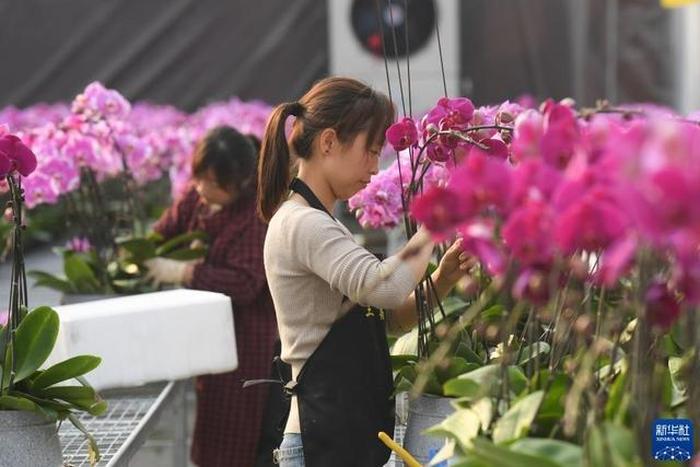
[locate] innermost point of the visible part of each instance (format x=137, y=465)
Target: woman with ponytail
x=333, y=299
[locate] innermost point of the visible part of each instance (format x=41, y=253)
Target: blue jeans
x=290, y=452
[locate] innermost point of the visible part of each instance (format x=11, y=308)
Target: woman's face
x=349, y=167
x=210, y=191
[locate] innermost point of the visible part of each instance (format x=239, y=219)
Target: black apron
x=344, y=390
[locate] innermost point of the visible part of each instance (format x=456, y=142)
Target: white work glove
x=164, y=270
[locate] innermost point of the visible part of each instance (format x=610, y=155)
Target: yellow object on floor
x=677, y=3
x=405, y=456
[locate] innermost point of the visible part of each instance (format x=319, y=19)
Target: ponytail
x=274, y=163
x=346, y=105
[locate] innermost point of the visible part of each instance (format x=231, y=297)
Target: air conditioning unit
x=356, y=46
x=686, y=34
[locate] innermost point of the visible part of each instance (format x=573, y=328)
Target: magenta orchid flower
x=478, y=238
x=560, y=137
x=403, y=134
x=15, y=156
x=441, y=210
x=532, y=284
x=482, y=181
x=454, y=113
x=617, y=260
x=662, y=307
x=590, y=224
x=527, y=136
x=528, y=233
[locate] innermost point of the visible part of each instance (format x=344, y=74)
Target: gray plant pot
x=423, y=413
x=28, y=440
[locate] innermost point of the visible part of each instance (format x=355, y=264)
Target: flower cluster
x=380, y=204
x=605, y=185
x=79, y=245
x=102, y=131
x=426, y=149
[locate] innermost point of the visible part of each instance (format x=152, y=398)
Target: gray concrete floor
x=159, y=449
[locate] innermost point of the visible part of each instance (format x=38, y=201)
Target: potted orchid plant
x=33, y=399
x=107, y=165
x=100, y=166
x=85, y=278
x=426, y=152
x=579, y=328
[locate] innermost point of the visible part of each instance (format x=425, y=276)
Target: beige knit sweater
x=312, y=262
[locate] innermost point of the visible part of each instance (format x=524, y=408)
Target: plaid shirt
x=229, y=417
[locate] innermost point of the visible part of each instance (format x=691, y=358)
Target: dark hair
x=230, y=155
x=346, y=105
x=256, y=143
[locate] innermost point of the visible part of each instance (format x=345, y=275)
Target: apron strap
x=305, y=192
x=288, y=386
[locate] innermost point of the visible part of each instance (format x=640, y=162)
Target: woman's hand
x=164, y=270
x=453, y=266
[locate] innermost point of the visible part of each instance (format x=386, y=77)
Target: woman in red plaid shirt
x=221, y=202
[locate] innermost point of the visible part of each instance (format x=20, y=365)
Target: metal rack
x=120, y=432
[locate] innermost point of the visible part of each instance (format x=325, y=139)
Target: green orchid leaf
x=453, y=304
x=399, y=361
x=140, y=249
x=28, y=403
x=44, y=279
x=91, y=406
x=484, y=409
x=462, y=387
x=552, y=408
x=490, y=454
x=82, y=397
x=155, y=237
x=431, y=268
x=3, y=336
x=58, y=406
x=609, y=444
x=17, y=403
x=180, y=240
x=71, y=368
x=68, y=393
x=616, y=394
x=186, y=254
x=485, y=380
x=492, y=313
x=468, y=460
x=516, y=422
x=80, y=274
x=407, y=344
x=35, y=338
x=464, y=351
x=462, y=426
x=402, y=385
x=532, y=351
x=456, y=366
x=560, y=452
x=6, y=368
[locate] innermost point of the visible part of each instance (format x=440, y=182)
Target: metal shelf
x=122, y=430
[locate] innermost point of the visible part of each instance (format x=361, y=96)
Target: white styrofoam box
x=149, y=337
